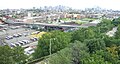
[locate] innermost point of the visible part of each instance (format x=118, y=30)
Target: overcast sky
x=78, y=4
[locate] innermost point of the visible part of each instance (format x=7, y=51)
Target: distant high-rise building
x=29, y=14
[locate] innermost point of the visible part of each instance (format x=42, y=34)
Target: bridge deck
x=53, y=25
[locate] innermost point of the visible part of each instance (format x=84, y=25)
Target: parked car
x=34, y=39
x=22, y=43
x=15, y=35
x=14, y=27
x=26, y=41
x=5, y=28
x=9, y=37
x=18, y=44
x=12, y=45
x=19, y=34
x=35, y=32
x=18, y=26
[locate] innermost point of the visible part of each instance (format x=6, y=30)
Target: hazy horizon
x=76, y=4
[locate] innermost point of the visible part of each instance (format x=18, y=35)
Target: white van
x=29, y=51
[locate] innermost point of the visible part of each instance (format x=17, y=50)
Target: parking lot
x=13, y=36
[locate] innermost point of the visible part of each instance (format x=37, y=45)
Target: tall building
x=29, y=14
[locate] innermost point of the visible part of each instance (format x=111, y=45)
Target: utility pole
x=50, y=48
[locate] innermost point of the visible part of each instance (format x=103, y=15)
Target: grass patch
x=80, y=22
x=65, y=19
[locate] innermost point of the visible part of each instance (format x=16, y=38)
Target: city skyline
x=76, y=4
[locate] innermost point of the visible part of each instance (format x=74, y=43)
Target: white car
x=19, y=34
x=15, y=35
x=12, y=45
x=18, y=26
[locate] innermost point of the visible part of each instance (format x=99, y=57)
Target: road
x=96, y=21
x=52, y=25
x=112, y=32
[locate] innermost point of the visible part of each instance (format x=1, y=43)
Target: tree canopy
x=73, y=54
x=11, y=56
x=84, y=46
x=58, y=40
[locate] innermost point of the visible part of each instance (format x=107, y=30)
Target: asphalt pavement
x=11, y=32
x=112, y=32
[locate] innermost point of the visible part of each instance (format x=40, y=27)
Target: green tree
x=116, y=21
x=95, y=44
x=108, y=41
x=6, y=55
x=58, y=40
x=118, y=32
x=73, y=54
x=11, y=56
x=18, y=55
x=78, y=52
x=95, y=59
x=105, y=26
x=61, y=57
x=109, y=55
x=82, y=34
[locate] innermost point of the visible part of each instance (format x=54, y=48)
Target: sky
x=77, y=4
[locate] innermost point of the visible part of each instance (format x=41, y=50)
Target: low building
x=94, y=15
x=1, y=21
